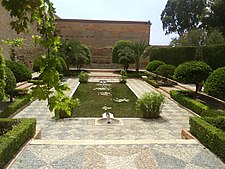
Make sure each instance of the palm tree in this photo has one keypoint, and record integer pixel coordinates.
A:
(140, 52)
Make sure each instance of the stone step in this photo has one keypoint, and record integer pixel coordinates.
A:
(112, 142)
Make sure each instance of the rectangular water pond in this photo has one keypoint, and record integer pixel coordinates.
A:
(94, 96)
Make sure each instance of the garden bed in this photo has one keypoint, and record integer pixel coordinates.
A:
(17, 132)
(7, 108)
(92, 103)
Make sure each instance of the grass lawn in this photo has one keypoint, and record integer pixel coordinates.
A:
(91, 103)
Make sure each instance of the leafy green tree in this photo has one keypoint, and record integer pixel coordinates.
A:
(42, 13)
(75, 53)
(10, 80)
(193, 72)
(2, 76)
(141, 51)
(214, 16)
(179, 16)
(123, 53)
(214, 38)
(126, 56)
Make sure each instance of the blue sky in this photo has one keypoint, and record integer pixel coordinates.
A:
(131, 10)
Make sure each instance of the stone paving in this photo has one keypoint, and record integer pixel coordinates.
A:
(78, 143)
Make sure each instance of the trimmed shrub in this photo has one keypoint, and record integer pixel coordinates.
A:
(153, 65)
(152, 82)
(197, 107)
(83, 77)
(60, 65)
(118, 46)
(192, 72)
(150, 105)
(2, 77)
(13, 107)
(20, 70)
(218, 122)
(10, 82)
(215, 84)
(214, 56)
(211, 137)
(13, 140)
(166, 70)
(173, 55)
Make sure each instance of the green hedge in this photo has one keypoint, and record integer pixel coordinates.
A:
(212, 137)
(12, 108)
(152, 82)
(214, 56)
(13, 140)
(192, 104)
(173, 55)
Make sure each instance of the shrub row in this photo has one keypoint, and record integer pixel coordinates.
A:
(212, 137)
(213, 55)
(152, 82)
(12, 108)
(173, 55)
(12, 141)
(192, 104)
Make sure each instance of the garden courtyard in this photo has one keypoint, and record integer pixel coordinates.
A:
(79, 143)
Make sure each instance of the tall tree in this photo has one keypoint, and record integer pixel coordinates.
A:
(179, 16)
(215, 15)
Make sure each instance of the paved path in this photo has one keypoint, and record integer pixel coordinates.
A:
(78, 143)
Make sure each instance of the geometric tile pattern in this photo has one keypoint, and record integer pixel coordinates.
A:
(157, 152)
(118, 157)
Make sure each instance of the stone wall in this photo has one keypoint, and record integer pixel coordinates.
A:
(28, 51)
(100, 36)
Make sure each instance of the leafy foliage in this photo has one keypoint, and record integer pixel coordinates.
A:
(210, 136)
(179, 16)
(2, 76)
(60, 64)
(83, 77)
(150, 105)
(192, 72)
(153, 65)
(215, 84)
(20, 70)
(123, 48)
(10, 82)
(13, 140)
(75, 53)
(42, 13)
(166, 70)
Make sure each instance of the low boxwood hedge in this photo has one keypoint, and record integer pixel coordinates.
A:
(17, 104)
(192, 104)
(212, 137)
(13, 140)
(152, 82)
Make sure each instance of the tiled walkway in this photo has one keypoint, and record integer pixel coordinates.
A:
(143, 144)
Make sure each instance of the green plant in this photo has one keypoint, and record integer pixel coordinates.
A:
(215, 84)
(14, 106)
(123, 76)
(2, 76)
(150, 105)
(83, 77)
(13, 140)
(201, 109)
(61, 66)
(166, 70)
(153, 65)
(20, 70)
(211, 137)
(10, 82)
(192, 72)
(218, 122)
(152, 82)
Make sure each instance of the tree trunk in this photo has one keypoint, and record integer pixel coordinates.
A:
(137, 67)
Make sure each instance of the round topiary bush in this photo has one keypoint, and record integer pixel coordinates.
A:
(166, 70)
(192, 72)
(10, 82)
(20, 70)
(215, 84)
(153, 65)
(60, 65)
